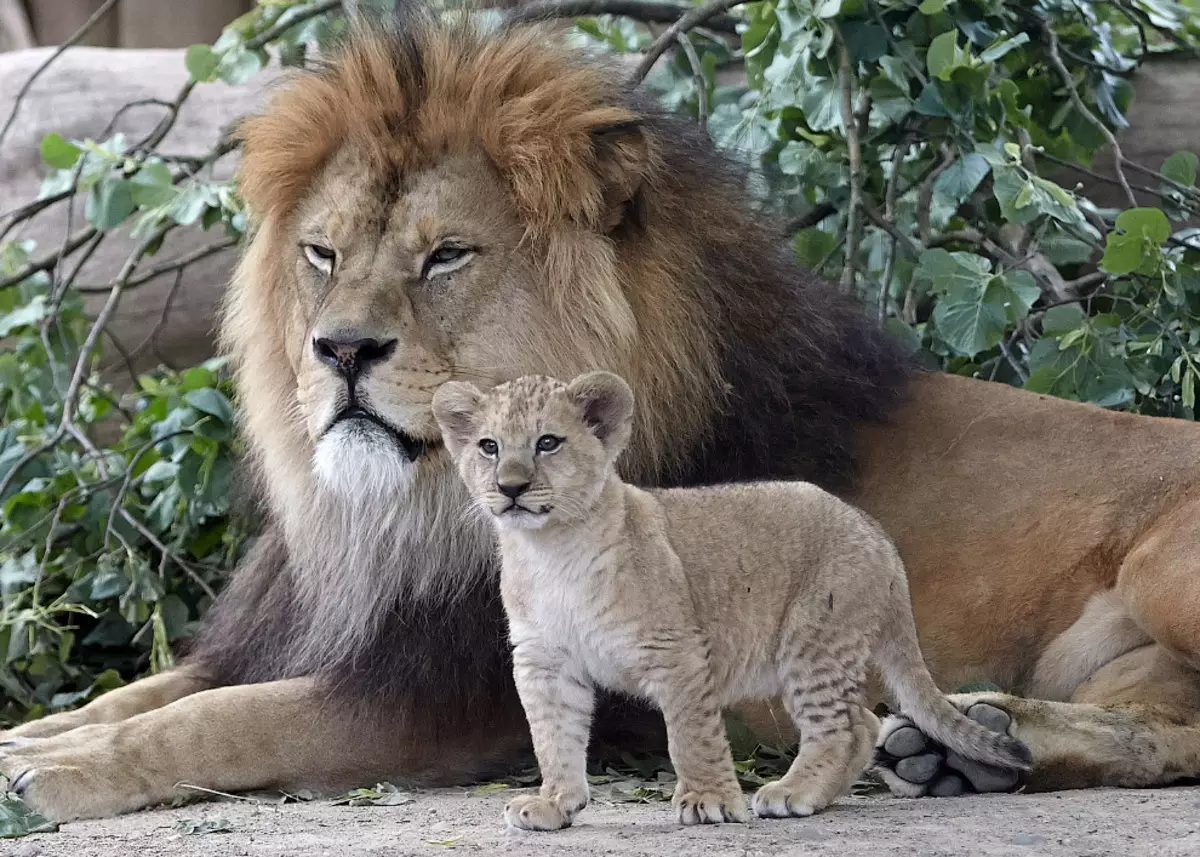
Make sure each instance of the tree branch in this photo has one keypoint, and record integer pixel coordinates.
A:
(646, 12)
(854, 147)
(694, 18)
(58, 52)
(1051, 39)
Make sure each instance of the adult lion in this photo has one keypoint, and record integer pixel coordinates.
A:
(438, 203)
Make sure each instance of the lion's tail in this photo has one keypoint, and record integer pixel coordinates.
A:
(907, 676)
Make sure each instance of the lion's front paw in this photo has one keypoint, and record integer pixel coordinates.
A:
(77, 774)
(912, 764)
(534, 812)
(702, 806)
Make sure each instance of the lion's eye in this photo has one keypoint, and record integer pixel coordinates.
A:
(320, 257)
(489, 447)
(446, 258)
(548, 443)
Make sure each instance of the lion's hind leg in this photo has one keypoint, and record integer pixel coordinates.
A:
(1133, 722)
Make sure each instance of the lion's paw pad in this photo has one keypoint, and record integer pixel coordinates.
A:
(705, 807)
(912, 764)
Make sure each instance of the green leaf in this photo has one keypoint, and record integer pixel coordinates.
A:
(827, 8)
(931, 7)
(968, 323)
(867, 42)
(959, 180)
(1061, 319)
(813, 245)
(1181, 168)
(16, 819)
(153, 186)
(109, 203)
(944, 54)
(59, 153)
(1150, 222)
(999, 49)
(202, 63)
(821, 104)
(212, 402)
(946, 271)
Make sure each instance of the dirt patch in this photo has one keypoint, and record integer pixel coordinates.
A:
(1125, 823)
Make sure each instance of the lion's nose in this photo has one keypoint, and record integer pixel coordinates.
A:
(352, 357)
(512, 490)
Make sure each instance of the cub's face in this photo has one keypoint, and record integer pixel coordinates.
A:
(399, 284)
(536, 451)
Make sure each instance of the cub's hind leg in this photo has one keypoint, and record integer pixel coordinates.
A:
(823, 680)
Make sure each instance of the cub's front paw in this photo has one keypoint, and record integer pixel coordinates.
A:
(780, 800)
(534, 812)
(700, 806)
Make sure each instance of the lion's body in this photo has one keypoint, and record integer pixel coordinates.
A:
(480, 207)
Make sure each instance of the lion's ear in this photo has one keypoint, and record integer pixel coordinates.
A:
(456, 409)
(607, 405)
(622, 164)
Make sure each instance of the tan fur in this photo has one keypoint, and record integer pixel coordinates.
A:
(693, 598)
(1012, 511)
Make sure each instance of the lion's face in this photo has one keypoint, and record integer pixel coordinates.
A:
(396, 290)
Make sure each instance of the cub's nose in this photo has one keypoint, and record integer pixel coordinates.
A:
(512, 490)
(351, 357)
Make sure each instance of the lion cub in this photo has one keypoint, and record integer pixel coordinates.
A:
(692, 598)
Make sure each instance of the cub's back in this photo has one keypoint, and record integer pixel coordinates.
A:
(735, 540)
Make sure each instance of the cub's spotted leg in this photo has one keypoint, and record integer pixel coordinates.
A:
(823, 695)
(706, 789)
(558, 704)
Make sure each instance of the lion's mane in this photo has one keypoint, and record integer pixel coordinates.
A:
(746, 365)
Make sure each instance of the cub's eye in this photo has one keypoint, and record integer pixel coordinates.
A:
(489, 447)
(548, 443)
(320, 257)
(446, 258)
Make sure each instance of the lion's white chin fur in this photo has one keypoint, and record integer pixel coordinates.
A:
(353, 462)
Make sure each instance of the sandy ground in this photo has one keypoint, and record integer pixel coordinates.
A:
(1160, 823)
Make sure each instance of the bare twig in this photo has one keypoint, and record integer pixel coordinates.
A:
(270, 35)
(925, 197)
(66, 424)
(691, 20)
(689, 50)
(889, 214)
(854, 147)
(811, 217)
(48, 261)
(167, 552)
(1100, 177)
(119, 503)
(1051, 39)
(71, 40)
(176, 264)
(646, 12)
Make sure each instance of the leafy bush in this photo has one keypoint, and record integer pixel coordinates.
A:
(916, 147)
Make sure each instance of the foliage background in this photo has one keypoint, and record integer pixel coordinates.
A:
(913, 145)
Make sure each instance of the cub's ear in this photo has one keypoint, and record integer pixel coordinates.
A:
(456, 409)
(607, 405)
